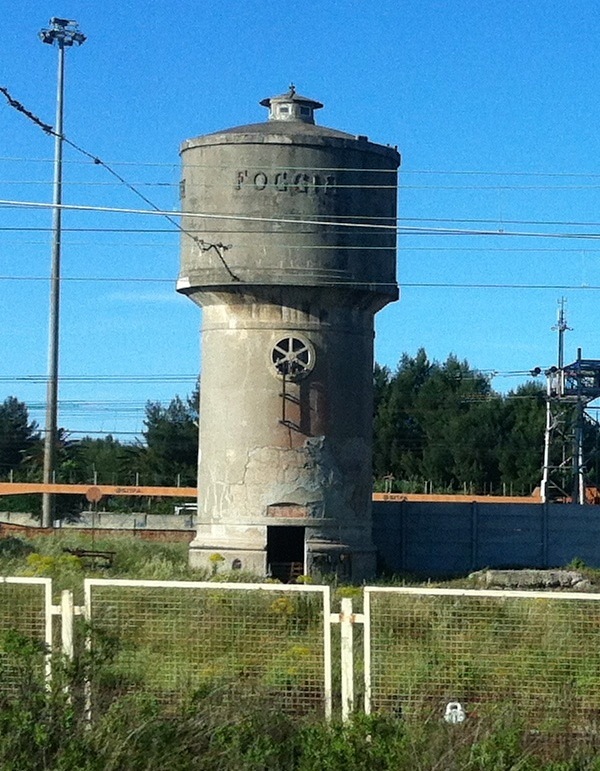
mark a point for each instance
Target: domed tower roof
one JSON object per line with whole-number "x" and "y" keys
{"x": 291, "y": 106}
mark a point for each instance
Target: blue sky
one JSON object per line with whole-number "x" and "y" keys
{"x": 493, "y": 106}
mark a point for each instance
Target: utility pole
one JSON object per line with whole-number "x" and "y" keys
{"x": 570, "y": 388}
{"x": 63, "y": 33}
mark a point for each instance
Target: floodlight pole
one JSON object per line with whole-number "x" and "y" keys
{"x": 64, "y": 33}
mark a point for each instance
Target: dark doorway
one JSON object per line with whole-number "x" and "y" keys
{"x": 285, "y": 552}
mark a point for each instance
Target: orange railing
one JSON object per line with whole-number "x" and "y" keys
{"x": 22, "y": 488}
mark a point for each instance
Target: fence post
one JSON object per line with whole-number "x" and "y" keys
{"x": 347, "y": 658}
{"x": 367, "y": 647}
{"x": 67, "y": 613}
{"x": 544, "y": 508}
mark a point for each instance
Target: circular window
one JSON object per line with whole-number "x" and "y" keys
{"x": 292, "y": 357}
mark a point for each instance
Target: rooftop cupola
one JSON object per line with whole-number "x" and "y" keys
{"x": 291, "y": 106}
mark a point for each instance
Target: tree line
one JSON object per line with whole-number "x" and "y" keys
{"x": 441, "y": 425}
{"x": 166, "y": 455}
{"x": 437, "y": 426}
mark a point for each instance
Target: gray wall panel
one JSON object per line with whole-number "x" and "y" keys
{"x": 573, "y": 531}
{"x": 509, "y": 535}
{"x": 436, "y": 539}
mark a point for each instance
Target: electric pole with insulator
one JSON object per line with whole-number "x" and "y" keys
{"x": 63, "y": 33}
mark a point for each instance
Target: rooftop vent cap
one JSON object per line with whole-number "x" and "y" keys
{"x": 291, "y": 106}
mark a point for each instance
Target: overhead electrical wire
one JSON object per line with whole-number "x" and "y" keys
{"x": 317, "y": 185}
{"x": 402, "y": 170}
{"x": 218, "y": 248}
{"x": 80, "y": 408}
{"x": 332, "y": 219}
{"x": 160, "y": 378}
{"x": 113, "y": 378}
{"x": 323, "y": 247}
{"x": 501, "y": 232}
{"x": 81, "y": 183}
{"x": 325, "y": 282}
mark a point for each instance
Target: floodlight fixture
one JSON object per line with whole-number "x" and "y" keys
{"x": 64, "y": 32}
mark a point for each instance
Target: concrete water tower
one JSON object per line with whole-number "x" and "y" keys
{"x": 289, "y": 276}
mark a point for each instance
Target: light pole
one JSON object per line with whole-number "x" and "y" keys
{"x": 64, "y": 33}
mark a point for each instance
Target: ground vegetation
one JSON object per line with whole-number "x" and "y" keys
{"x": 248, "y": 725}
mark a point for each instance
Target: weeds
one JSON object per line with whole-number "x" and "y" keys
{"x": 43, "y": 728}
{"x": 231, "y": 694}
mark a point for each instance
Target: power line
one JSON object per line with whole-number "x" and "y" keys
{"x": 316, "y": 185}
{"x": 82, "y": 183}
{"x": 403, "y": 170}
{"x": 321, "y": 247}
{"x": 279, "y": 220}
{"x": 456, "y": 285}
{"x": 194, "y": 377}
{"x": 332, "y": 219}
{"x": 327, "y": 282}
{"x": 113, "y": 378}
{"x": 219, "y": 249}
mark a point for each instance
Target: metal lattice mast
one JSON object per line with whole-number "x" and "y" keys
{"x": 570, "y": 388}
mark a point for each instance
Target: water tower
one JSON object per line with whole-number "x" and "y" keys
{"x": 297, "y": 256}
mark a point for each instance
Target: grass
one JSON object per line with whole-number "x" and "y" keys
{"x": 136, "y": 736}
{"x": 134, "y": 558}
{"x": 44, "y": 731}
{"x": 224, "y": 679}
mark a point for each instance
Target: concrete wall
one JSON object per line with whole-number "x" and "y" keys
{"x": 438, "y": 539}
{"x": 148, "y": 527}
{"x": 428, "y": 539}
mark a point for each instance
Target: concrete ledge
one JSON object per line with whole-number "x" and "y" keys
{"x": 531, "y": 579}
{"x": 103, "y": 520}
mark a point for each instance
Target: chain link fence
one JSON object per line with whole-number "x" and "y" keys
{"x": 536, "y": 654}
{"x": 174, "y": 640}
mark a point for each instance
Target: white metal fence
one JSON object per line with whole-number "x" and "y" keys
{"x": 176, "y": 639}
{"x": 25, "y": 630}
{"x": 536, "y": 654}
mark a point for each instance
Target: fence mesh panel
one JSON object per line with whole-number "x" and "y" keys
{"x": 174, "y": 641}
{"x": 537, "y": 655}
{"x": 24, "y": 644}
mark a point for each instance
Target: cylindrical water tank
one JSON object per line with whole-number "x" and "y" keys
{"x": 292, "y": 255}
